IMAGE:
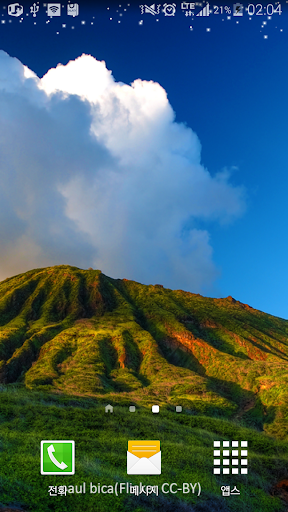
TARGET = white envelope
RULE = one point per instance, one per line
(143, 465)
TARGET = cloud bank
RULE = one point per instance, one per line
(98, 173)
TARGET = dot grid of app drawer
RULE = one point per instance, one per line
(233, 458)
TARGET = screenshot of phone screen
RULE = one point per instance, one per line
(143, 256)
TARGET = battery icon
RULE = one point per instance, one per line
(238, 10)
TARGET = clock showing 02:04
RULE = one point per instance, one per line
(262, 10)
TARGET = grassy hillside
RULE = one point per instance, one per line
(27, 417)
(74, 340)
(80, 332)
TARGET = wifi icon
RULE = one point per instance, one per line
(53, 9)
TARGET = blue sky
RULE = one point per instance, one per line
(229, 86)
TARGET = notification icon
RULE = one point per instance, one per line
(73, 10)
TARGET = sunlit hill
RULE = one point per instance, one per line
(80, 332)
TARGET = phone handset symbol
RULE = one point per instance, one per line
(60, 465)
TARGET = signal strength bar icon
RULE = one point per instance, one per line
(205, 11)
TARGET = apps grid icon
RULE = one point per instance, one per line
(230, 457)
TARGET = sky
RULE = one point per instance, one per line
(151, 147)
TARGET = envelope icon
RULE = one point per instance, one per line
(143, 458)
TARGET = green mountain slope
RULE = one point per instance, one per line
(80, 332)
(27, 417)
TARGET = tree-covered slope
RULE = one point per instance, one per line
(80, 332)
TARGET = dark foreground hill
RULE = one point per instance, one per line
(80, 332)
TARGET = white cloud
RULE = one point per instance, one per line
(98, 173)
(85, 76)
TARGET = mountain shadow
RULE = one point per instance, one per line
(79, 332)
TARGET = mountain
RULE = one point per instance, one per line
(80, 332)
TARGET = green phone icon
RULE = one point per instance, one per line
(57, 458)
